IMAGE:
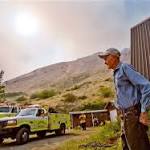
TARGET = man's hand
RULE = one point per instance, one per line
(144, 118)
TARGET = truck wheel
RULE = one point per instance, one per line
(41, 134)
(22, 136)
(1, 140)
(61, 131)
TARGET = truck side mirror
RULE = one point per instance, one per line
(38, 113)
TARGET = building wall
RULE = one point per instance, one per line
(102, 116)
(140, 47)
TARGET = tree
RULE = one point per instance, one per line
(2, 87)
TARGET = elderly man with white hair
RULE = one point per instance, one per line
(133, 100)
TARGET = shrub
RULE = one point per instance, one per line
(69, 97)
(78, 86)
(13, 94)
(82, 97)
(34, 95)
(21, 98)
(75, 87)
(93, 105)
(109, 79)
(106, 92)
(43, 94)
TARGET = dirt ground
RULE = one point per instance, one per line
(50, 142)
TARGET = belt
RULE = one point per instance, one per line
(134, 108)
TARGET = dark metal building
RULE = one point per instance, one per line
(102, 116)
(140, 47)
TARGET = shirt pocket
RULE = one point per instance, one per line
(122, 80)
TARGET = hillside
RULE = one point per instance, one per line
(80, 84)
(60, 75)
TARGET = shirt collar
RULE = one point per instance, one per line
(118, 67)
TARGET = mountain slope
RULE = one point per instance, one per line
(60, 75)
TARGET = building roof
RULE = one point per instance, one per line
(145, 20)
(88, 111)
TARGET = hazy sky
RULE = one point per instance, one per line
(36, 33)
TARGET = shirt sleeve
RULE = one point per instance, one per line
(115, 104)
(141, 83)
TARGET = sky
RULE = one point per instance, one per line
(37, 33)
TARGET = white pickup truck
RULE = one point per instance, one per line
(33, 121)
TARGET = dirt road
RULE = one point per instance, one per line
(46, 143)
(50, 142)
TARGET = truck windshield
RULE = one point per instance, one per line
(4, 109)
(27, 112)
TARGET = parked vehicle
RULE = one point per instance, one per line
(33, 121)
(8, 111)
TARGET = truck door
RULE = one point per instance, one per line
(42, 119)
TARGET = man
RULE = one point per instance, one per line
(133, 100)
(96, 121)
(82, 119)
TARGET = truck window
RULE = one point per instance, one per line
(4, 109)
(40, 112)
(14, 110)
(27, 112)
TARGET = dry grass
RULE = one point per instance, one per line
(88, 90)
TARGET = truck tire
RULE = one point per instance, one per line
(22, 136)
(61, 131)
(1, 140)
(41, 134)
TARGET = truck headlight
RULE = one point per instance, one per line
(11, 122)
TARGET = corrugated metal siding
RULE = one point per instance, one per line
(140, 47)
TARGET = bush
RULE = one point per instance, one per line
(106, 92)
(82, 97)
(34, 95)
(93, 105)
(21, 98)
(108, 79)
(78, 86)
(46, 94)
(13, 94)
(69, 97)
(43, 94)
(75, 87)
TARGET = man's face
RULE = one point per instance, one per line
(110, 61)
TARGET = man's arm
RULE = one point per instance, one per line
(140, 83)
(144, 86)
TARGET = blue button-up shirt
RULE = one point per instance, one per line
(131, 87)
